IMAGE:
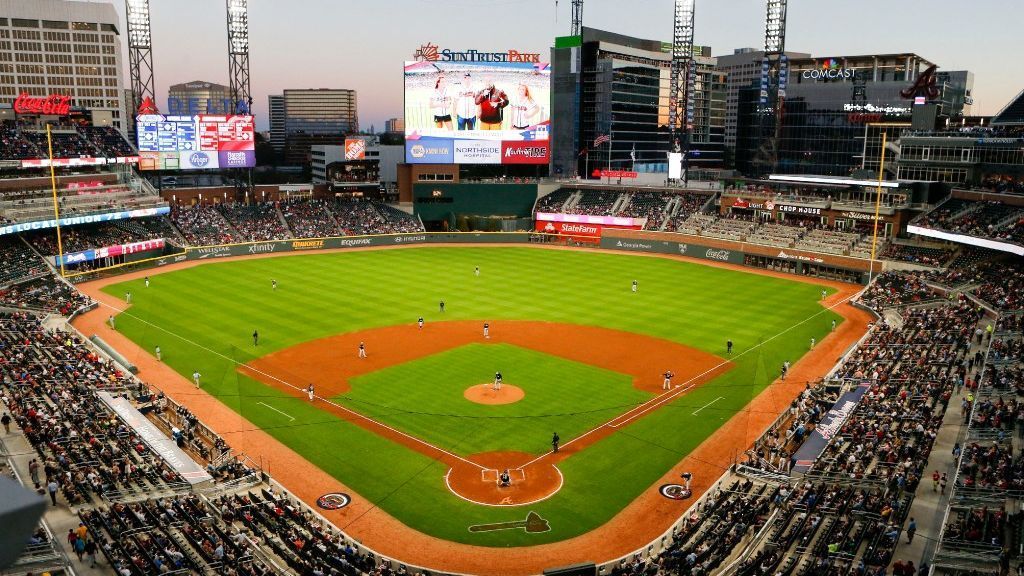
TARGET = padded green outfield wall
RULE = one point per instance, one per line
(440, 200)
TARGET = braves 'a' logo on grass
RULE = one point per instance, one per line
(333, 501)
(674, 491)
(533, 524)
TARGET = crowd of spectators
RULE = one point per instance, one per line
(357, 217)
(554, 201)
(65, 144)
(892, 289)
(46, 293)
(19, 261)
(982, 218)
(310, 219)
(255, 222)
(1004, 184)
(926, 255)
(202, 225)
(13, 146)
(108, 140)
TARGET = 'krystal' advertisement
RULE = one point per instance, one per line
(477, 111)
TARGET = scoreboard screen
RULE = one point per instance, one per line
(200, 142)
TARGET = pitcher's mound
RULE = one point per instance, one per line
(485, 394)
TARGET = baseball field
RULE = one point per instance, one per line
(416, 428)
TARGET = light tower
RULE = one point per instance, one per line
(774, 76)
(140, 53)
(238, 55)
(681, 80)
(577, 18)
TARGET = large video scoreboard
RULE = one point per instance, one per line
(195, 142)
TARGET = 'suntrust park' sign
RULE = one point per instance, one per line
(431, 53)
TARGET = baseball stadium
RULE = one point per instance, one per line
(467, 347)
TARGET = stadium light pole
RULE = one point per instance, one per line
(680, 77)
(140, 52)
(238, 53)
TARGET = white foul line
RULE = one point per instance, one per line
(272, 377)
(671, 394)
(276, 410)
(708, 404)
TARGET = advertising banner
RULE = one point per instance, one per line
(497, 100)
(603, 173)
(570, 229)
(199, 142)
(89, 219)
(668, 247)
(477, 152)
(355, 149)
(110, 251)
(613, 221)
(828, 427)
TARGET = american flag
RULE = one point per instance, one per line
(601, 139)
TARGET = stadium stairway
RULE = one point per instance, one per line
(280, 216)
(928, 508)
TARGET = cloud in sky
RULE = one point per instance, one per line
(361, 45)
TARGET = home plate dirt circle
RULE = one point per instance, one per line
(476, 479)
(486, 394)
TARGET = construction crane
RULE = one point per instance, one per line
(774, 76)
(681, 81)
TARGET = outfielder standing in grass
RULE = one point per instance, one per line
(195, 377)
(442, 305)
(159, 356)
(255, 338)
(634, 286)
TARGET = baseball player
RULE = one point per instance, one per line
(667, 384)
(362, 350)
(497, 380)
(195, 377)
(420, 322)
(128, 297)
(442, 305)
(634, 286)
(824, 293)
(159, 355)
(487, 330)
(112, 323)
(476, 271)
(309, 391)
(812, 343)
(554, 442)
(147, 281)
(255, 338)
(273, 285)
(833, 325)
(728, 346)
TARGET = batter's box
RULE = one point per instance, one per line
(493, 475)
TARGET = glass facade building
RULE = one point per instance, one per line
(306, 117)
(610, 84)
(836, 110)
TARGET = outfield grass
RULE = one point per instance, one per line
(203, 318)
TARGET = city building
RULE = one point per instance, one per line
(836, 110)
(608, 84)
(57, 49)
(964, 154)
(377, 164)
(315, 116)
(199, 97)
(395, 125)
(277, 132)
(743, 70)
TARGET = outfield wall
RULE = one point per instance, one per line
(797, 262)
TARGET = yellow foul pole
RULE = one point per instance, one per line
(56, 206)
(878, 204)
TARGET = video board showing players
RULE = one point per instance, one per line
(477, 112)
(198, 142)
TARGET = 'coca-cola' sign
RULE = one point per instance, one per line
(55, 104)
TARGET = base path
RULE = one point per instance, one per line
(643, 520)
(324, 363)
